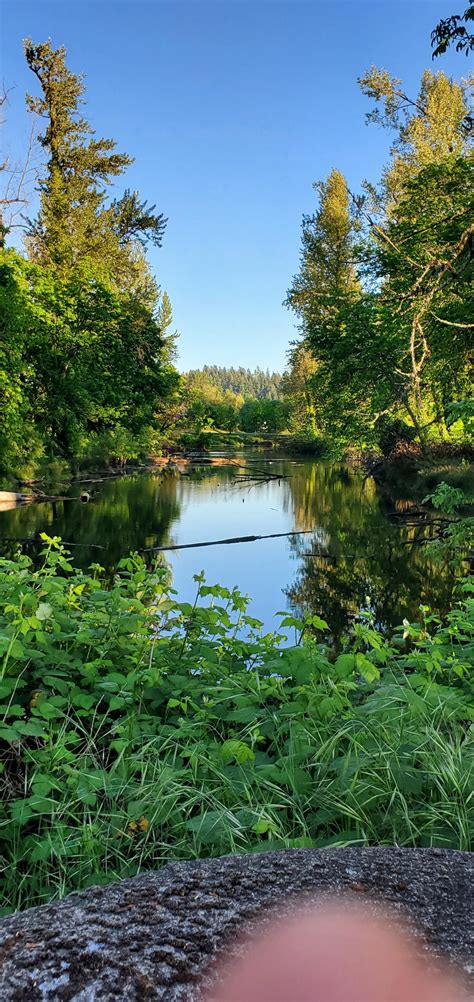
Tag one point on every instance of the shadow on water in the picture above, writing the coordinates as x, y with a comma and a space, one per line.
361, 554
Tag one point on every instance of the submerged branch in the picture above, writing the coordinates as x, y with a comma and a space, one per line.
232, 539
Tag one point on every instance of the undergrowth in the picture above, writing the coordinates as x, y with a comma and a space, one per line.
136, 729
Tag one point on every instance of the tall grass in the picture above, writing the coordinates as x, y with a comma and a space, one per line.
137, 730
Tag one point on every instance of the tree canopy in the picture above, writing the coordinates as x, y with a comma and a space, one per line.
384, 292
85, 342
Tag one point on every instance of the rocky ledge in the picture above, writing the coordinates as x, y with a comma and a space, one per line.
154, 936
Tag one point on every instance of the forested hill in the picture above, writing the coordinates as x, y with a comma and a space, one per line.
260, 384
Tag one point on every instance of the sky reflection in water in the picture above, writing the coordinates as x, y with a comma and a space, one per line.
355, 527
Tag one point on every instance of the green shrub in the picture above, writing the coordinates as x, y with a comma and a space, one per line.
462, 412
119, 446
136, 729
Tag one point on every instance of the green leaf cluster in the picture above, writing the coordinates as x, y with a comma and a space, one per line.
85, 342
136, 729
79, 363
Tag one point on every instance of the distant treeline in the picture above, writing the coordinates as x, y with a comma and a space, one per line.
229, 399
251, 384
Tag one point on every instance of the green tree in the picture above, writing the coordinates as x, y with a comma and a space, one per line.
80, 361
20, 439
429, 129
86, 346
423, 241
74, 223
327, 271
298, 388
325, 290
427, 297
396, 343
207, 405
264, 416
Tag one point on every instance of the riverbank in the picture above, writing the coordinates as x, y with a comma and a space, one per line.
407, 467
179, 446
419, 471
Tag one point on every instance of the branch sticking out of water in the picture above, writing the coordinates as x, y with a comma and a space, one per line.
232, 539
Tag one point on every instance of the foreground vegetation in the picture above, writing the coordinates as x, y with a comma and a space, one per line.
137, 729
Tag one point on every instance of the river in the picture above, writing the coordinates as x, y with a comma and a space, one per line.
359, 552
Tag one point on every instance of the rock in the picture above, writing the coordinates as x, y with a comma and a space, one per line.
153, 936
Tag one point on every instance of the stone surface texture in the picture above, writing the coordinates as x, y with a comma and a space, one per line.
154, 936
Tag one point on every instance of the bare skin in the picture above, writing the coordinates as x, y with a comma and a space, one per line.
337, 953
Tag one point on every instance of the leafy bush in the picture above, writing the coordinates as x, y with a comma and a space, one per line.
119, 446
265, 416
448, 499
307, 444
136, 729
462, 411
455, 537
82, 366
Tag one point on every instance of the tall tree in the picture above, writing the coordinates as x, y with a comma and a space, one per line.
327, 270
396, 345
423, 240
429, 129
85, 344
327, 283
75, 225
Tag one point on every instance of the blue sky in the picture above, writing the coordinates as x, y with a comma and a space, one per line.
232, 110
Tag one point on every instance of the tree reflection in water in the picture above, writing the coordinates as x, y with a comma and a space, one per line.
364, 545
369, 562
124, 514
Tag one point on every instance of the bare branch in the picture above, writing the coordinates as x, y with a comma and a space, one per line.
450, 323
17, 191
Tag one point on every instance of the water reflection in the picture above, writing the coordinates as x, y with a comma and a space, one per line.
359, 549
372, 558
122, 515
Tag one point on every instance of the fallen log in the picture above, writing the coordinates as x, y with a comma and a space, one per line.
15, 496
222, 542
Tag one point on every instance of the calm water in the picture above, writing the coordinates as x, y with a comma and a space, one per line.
356, 554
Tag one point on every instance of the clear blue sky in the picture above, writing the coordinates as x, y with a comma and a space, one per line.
232, 110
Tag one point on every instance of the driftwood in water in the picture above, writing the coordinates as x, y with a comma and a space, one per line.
255, 472
11, 499
232, 539
14, 496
